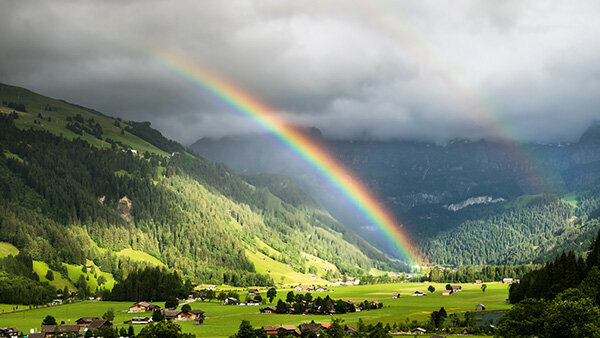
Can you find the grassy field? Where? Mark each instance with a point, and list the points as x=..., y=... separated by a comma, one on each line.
x=7, y=249
x=41, y=268
x=222, y=321
x=280, y=272
x=36, y=103
x=140, y=256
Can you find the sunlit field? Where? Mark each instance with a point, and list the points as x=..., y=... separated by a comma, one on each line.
x=222, y=320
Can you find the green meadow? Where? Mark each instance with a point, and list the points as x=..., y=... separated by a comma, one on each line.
x=223, y=320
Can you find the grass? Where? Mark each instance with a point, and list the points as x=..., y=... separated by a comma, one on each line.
x=91, y=276
x=35, y=104
x=8, y=249
x=59, y=282
x=140, y=256
x=280, y=272
x=223, y=321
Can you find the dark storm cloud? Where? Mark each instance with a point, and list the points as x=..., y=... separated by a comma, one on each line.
x=373, y=69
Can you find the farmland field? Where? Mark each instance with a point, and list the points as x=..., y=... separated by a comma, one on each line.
x=222, y=321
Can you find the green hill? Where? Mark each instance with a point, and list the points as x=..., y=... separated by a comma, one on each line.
x=79, y=188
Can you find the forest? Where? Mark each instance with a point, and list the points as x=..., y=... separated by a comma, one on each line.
x=60, y=200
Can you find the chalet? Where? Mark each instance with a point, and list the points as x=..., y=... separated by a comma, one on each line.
x=56, y=302
x=63, y=329
x=395, y=295
x=272, y=330
x=142, y=307
x=305, y=288
x=268, y=309
x=507, y=280
x=477, y=281
x=11, y=332
x=252, y=302
x=418, y=330
x=86, y=321
x=446, y=292
x=98, y=324
x=193, y=314
x=321, y=289
x=140, y=320
x=208, y=287
x=480, y=307
x=314, y=327
x=230, y=301
x=456, y=288
x=171, y=314
x=418, y=293
x=253, y=292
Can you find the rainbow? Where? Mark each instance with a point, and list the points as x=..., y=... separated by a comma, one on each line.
x=298, y=142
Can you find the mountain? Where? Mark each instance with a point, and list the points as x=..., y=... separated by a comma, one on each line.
x=80, y=188
x=422, y=182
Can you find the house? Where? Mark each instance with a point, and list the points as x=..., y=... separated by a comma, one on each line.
x=231, y=300
x=208, y=287
x=446, y=292
x=11, y=332
x=418, y=293
x=192, y=314
x=395, y=295
x=314, y=327
x=140, y=320
x=507, y=280
x=63, y=329
x=477, y=281
x=172, y=314
x=305, y=288
x=36, y=335
x=99, y=323
x=456, y=288
x=268, y=309
x=272, y=330
x=57, y=302
x=480, y=307
x=86, y=321
x=418, y=330
x=321, y=289
x=142, y=307
x=253, y=292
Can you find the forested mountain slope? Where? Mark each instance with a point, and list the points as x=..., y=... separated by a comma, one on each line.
x=76, y=185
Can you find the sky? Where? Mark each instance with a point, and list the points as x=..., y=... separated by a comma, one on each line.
x=426, y=70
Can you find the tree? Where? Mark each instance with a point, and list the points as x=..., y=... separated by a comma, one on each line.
x=431, y=289
x=282, y=307
x=335, y=330
x=130, y=332
x=163, y=330
x=186, y=307
x=448, y=287
x=290, y=297
x=50, y=275
x=483, y=287
x=171, y=302
x=157, y=316
x=123, y=332
x=222, y=295
x=109, y=314
x=271, y=294
x=245, y=331
x=49, y=320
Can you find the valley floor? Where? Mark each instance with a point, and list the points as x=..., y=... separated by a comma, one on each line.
x=223, y=320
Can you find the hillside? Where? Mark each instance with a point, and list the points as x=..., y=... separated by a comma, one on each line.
x=464, y=202
x=79, y=186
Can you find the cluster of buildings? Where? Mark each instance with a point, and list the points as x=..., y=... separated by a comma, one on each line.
x=82, y=325
x=168, y=314
x=274, y=330
x=310, y=288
